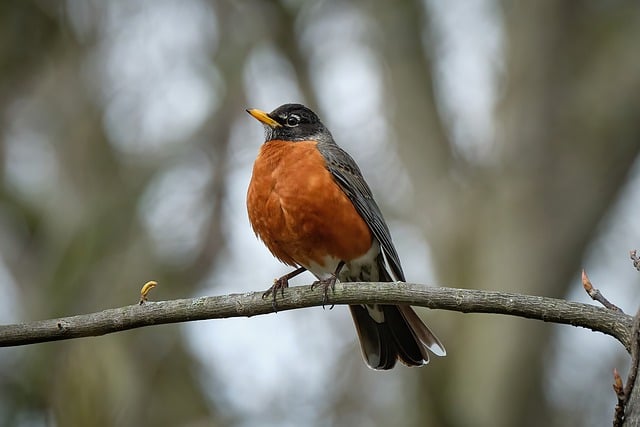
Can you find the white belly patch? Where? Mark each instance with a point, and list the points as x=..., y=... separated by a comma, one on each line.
x=363, y=268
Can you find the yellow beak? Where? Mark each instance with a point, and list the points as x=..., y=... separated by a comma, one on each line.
x=263, y=117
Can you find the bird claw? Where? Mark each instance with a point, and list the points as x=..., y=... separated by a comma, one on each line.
x=281, y=283
x=326, y=284
x=278, y=285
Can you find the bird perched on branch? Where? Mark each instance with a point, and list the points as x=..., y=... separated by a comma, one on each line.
x=310, y=205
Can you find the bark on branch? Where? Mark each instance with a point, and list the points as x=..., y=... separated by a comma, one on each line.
x=616, y=324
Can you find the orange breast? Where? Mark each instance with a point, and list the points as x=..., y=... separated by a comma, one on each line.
x=298, y=210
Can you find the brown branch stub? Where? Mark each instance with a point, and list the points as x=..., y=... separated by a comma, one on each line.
x=596, y=295
x=615, y=324
x=146, y=288
x=618, y=388
x=636, y=260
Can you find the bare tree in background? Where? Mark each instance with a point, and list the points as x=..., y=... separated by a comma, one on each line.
x=520, y=219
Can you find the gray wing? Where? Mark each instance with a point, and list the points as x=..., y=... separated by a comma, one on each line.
x=348, y=176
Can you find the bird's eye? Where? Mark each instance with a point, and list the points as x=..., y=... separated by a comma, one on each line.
x=293, y=120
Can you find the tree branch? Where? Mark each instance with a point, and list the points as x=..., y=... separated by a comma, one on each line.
x=609, y=322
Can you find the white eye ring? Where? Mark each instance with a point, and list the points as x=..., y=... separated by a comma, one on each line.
x=293, y=120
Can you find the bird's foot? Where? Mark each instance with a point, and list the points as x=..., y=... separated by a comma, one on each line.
x=278, y=285
x=327, y=283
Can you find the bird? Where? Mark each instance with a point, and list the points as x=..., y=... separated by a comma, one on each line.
x=310, y=205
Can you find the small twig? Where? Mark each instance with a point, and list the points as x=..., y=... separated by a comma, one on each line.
x=624, y=393
x=144, y=292
x=618, y=388
x=636, y=260
x=595, y=294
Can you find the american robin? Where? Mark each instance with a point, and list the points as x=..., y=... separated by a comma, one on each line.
x=310, y=205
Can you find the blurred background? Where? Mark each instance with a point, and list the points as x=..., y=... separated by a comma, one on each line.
x=501, y=141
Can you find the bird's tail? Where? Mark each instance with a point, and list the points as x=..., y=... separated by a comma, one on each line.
x=393, y=332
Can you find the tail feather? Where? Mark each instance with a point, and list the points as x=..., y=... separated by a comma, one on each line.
x=408, y=348
x=421, y=331
x=376, y=342
x=400, y=336
x=392, y=332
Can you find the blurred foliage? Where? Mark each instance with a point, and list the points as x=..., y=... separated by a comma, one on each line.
x=116, y=165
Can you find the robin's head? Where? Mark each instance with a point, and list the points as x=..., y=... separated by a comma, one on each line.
x=292, y=122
